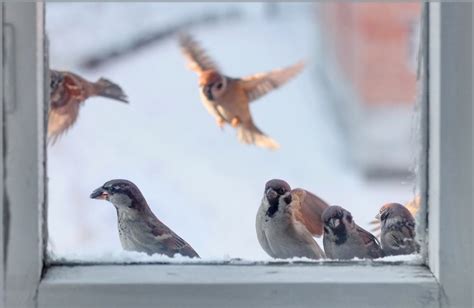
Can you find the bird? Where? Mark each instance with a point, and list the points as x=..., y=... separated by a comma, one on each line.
x=343, y=239
x=287, y=220
x=67, y=92
x=413, y=207
x=398, y=230
x=227, y=99
x=139, y=229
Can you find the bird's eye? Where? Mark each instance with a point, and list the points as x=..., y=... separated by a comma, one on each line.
x=280, y=191
x=219, y=86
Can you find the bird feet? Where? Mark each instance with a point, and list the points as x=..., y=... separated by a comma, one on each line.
x=220, y=122
x=235, y=122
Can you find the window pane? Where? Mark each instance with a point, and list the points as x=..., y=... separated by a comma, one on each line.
x=345, y=124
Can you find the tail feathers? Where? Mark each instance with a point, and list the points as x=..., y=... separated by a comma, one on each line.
x=106, y=88
x=250, y=134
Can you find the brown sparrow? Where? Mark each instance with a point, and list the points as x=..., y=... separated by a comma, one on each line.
x=227, y=98
x=344, y=239
x=413, y=207
x=287, y=220
x=398, y=230
x=68, y=91
x=139, y=229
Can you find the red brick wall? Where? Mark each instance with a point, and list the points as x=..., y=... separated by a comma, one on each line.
x=374, y=44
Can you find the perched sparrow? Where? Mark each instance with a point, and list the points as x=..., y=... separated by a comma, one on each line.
x=287, y=220
x=138, y=227
x=398, y=230
x=413, y=207
x=68, y=91
x=227, y=99
x=344, y=239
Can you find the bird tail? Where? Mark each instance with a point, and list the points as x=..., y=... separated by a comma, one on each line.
x=250, y=134
x=106, y=88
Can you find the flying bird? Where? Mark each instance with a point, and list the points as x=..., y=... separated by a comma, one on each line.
x=139, y=229
x=68, y=91
x=413, y=207
x=398, y=230
x=227, y=99
x=287, y=220
x=344, y=239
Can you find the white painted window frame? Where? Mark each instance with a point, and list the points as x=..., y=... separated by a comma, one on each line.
x=445, y=280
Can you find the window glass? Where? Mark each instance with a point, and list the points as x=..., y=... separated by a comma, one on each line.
x=344, y=123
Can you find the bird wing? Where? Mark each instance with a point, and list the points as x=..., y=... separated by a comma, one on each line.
x=172, y=242
x=414, y=205
x=370, y=242
x=60, y=120
x=309, y=210
x=197, y=58
x=255, y=86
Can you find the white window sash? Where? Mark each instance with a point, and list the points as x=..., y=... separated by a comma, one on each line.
x=444, y=281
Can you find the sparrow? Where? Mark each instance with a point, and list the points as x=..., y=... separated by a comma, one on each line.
x=344, y=239
x=67, y=92
x=227, y=99
x=139, y=229
x=398, y=230
x=413, y=207
x=287, y=220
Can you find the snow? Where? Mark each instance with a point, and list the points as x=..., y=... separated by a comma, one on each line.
x=133, y=257
x=199, y=180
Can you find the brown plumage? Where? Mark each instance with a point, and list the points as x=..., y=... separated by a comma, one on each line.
x=413, y=207
x=287, y=220
x=227, y=98
x=344, y=239
x=68, y=91
x=139, y=229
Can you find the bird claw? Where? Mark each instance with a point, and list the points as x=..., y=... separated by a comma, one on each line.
x=235, y=122
x=220, y=123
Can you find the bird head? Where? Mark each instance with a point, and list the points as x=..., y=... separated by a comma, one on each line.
x=277, y=192
x=123, y=194
x=55, y=78
x=212, y=84
x=393, y=211
x=337, y=221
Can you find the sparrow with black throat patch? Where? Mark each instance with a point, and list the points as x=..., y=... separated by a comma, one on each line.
x=344, y=239
x=67, y=92
x=227, y=99
x=398, y=230
x=287, y=220
x=139, y=229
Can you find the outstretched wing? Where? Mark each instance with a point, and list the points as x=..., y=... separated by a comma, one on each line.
x=60, y=120
x=197, y=58
x=309, y=210
x=257, y=85
x=371, y=243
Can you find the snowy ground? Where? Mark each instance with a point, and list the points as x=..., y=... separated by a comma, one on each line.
x=199, y=180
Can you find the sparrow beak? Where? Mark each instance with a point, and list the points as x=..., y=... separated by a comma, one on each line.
x=100, y=194
x=206, y=90
x=288, y=198
x=271, y=194
x=377, y=216
x=334, y=222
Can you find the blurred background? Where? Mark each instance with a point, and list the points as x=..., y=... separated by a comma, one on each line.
x=345, y=125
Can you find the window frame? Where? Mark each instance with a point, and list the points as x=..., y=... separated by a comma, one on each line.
x=446, y=172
